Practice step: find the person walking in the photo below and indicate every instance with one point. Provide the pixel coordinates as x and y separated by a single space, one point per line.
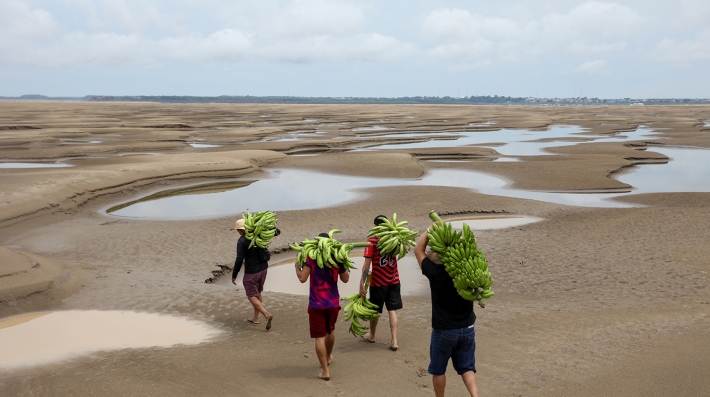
452 319
256 264
323 306
384 286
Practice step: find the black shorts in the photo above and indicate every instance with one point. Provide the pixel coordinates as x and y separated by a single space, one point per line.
388 295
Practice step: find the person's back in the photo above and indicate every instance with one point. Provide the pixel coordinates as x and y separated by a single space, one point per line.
324 292
385 289
323 306
452 318
448 309
255 261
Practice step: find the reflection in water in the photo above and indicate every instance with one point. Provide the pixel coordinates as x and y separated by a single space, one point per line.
34 165
39 339
516 142
186 191
687 171
290 189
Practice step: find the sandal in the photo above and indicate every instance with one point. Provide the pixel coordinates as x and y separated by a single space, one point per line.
252 321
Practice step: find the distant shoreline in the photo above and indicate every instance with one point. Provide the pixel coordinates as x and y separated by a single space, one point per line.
416 100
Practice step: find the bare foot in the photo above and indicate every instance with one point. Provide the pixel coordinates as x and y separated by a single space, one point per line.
330 359
367 338
324 376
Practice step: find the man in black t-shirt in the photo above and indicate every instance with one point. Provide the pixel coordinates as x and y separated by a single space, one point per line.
452 318
255 269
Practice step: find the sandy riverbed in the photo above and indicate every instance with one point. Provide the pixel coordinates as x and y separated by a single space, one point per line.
589 301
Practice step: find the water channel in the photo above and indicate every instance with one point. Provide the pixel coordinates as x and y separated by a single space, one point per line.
509 142
290 189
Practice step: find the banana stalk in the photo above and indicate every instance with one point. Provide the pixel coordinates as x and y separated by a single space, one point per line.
464 262
260 228
326 251
360 308
394 238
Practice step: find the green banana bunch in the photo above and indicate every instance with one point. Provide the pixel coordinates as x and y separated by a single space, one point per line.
260 228
359 309
326 251
463 261
395 239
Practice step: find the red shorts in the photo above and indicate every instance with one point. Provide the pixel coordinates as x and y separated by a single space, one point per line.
254 283
322 321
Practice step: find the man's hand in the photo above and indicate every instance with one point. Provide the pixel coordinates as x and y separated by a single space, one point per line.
234 281
363 291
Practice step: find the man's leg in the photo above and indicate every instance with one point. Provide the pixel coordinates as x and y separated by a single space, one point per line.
373 328
322 353
258 307
255 319
329 343
439 382
393 328
469 379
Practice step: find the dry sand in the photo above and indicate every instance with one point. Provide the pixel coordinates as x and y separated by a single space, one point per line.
588 302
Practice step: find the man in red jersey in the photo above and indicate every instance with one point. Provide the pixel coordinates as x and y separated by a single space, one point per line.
323 306
384 286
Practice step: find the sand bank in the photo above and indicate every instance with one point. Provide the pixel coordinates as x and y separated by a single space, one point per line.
589 301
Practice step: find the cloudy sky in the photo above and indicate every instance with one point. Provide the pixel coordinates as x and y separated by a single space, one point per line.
544 48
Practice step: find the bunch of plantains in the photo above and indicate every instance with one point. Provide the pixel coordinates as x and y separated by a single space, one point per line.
260 228
463 261
359 309
326 251
395 239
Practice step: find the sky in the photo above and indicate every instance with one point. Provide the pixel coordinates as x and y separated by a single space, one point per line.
352 48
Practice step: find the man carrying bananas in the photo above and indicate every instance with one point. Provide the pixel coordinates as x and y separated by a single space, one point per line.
452 318
384 285
255 267
323 306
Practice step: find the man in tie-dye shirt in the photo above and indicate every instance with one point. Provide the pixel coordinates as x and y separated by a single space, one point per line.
323 306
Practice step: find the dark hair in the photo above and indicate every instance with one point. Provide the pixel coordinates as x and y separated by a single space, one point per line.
323 235
380 219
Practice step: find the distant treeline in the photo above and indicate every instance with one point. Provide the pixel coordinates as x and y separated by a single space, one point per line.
468 100
312 100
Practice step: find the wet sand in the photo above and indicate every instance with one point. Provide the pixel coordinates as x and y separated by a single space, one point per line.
589 301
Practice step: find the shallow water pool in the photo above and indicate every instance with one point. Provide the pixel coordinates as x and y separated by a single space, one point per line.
42 338
514 142
290 189
34 165
203 145
492 223
281 277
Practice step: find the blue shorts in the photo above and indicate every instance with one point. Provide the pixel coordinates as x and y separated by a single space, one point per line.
459 345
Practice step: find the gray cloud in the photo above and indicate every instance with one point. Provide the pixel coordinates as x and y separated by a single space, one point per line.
420 44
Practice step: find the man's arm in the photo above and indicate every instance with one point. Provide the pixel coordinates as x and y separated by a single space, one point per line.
365 269
345 276
420 248
241 253
303 273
